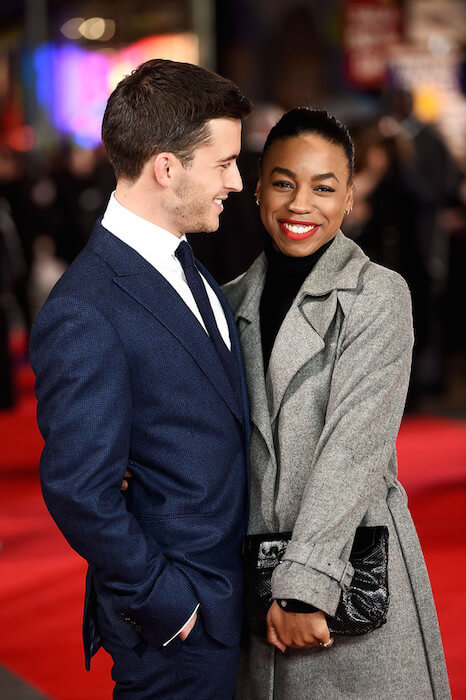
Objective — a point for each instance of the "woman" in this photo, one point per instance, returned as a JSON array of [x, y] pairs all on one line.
[[327, 339]]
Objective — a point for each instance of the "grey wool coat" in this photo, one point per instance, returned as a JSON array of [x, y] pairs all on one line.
[[325, 420]]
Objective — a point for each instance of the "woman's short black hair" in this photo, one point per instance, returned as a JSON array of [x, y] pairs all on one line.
[[302, 120]]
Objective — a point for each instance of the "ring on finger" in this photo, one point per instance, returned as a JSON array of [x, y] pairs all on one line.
[[326, 645]]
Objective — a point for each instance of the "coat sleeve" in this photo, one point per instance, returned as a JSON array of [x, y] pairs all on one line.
[[84, 414], [365, 406]]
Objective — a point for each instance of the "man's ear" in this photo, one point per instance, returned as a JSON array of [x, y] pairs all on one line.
[[164, 168]]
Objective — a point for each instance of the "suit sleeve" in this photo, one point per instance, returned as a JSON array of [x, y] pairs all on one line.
[[364, 411], [84, 414]]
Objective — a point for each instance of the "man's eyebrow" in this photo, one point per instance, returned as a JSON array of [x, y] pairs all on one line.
[[283, 171], [234, 156], [325, 176]]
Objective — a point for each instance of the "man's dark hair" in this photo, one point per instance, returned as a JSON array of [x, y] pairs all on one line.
[[302, 120], [165, 106]]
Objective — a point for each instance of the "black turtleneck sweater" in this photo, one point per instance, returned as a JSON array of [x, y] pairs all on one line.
[[285, 275]]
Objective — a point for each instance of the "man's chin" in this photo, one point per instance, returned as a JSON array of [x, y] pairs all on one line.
[[207, 228]]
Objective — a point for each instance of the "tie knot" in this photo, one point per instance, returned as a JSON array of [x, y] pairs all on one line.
[[185, 255]]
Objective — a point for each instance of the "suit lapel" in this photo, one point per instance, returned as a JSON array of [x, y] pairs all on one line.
[[238, 355], [234, 338], [149, 288]]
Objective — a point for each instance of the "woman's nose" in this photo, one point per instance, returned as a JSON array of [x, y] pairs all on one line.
[[301, 203]]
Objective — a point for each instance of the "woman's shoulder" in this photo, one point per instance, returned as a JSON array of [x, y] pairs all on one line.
[[381, 297], [238, 290], [235, 291], [377, 280], [371, 276], [363, 285]]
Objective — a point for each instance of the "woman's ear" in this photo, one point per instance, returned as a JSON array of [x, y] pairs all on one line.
[[257, 193], [349, 198]]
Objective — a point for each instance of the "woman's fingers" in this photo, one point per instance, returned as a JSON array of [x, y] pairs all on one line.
[[273, 638], [320, 629], [297, 630], [124, 483], [272, 634], [328, 644]]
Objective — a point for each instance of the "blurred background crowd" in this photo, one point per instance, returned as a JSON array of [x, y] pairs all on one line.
[[393, 70]]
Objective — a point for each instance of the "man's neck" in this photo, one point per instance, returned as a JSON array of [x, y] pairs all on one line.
[[144, 204]]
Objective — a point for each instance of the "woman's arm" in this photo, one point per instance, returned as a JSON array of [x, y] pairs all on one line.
[[366, 401]]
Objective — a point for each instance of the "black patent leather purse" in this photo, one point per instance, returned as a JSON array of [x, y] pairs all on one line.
[[363, 606]]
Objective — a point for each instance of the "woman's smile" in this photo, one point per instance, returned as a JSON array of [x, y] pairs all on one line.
[[303, 191], [297, 230]]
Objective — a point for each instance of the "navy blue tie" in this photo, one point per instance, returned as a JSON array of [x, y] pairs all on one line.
[[185, 255]]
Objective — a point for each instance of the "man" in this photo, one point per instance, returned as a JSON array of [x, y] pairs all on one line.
[[138, 367]]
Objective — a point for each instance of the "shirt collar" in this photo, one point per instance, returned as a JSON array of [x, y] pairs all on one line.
[[153, 242]]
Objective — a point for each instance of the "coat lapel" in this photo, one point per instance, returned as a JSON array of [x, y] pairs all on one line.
[[247, 315], [300, 338], [302, 333], [149, 288]]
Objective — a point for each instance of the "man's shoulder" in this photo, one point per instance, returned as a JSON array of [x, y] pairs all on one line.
[[87, 271], [84, 285]]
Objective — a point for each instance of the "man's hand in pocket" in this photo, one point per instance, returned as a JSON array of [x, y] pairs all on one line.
[[188, 627]]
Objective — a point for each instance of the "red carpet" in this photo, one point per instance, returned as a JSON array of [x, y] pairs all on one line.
[[42, 578]]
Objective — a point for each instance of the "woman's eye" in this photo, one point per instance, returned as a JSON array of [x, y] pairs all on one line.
[[282, 184], [324, 188]]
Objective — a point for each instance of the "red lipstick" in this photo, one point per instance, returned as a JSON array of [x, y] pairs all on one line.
[[297, 230]]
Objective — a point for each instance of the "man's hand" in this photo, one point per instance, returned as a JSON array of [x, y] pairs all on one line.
[[187, 628], [124, 483], [297, 630]]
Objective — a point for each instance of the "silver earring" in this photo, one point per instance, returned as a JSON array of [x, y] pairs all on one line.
[[256, 200]]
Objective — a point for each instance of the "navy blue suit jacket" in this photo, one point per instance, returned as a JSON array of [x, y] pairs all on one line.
[[126, 377]]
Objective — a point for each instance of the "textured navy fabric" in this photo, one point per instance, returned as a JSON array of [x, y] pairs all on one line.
[[126, 377], [197, 669], [185, 255]]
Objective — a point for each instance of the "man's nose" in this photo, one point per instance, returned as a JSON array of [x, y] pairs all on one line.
[[233, 181]]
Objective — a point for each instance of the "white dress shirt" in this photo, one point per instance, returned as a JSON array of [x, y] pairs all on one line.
[[157, 246]]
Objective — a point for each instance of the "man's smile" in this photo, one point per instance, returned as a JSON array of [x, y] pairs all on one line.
[[219, 202]]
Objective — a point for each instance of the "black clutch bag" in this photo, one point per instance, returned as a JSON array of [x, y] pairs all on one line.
[[363, 606]]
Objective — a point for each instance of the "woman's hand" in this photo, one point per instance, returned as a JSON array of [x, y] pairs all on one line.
[[124, 483], [297, 630]]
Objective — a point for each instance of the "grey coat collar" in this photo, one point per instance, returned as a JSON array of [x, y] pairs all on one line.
[[303, 330]]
